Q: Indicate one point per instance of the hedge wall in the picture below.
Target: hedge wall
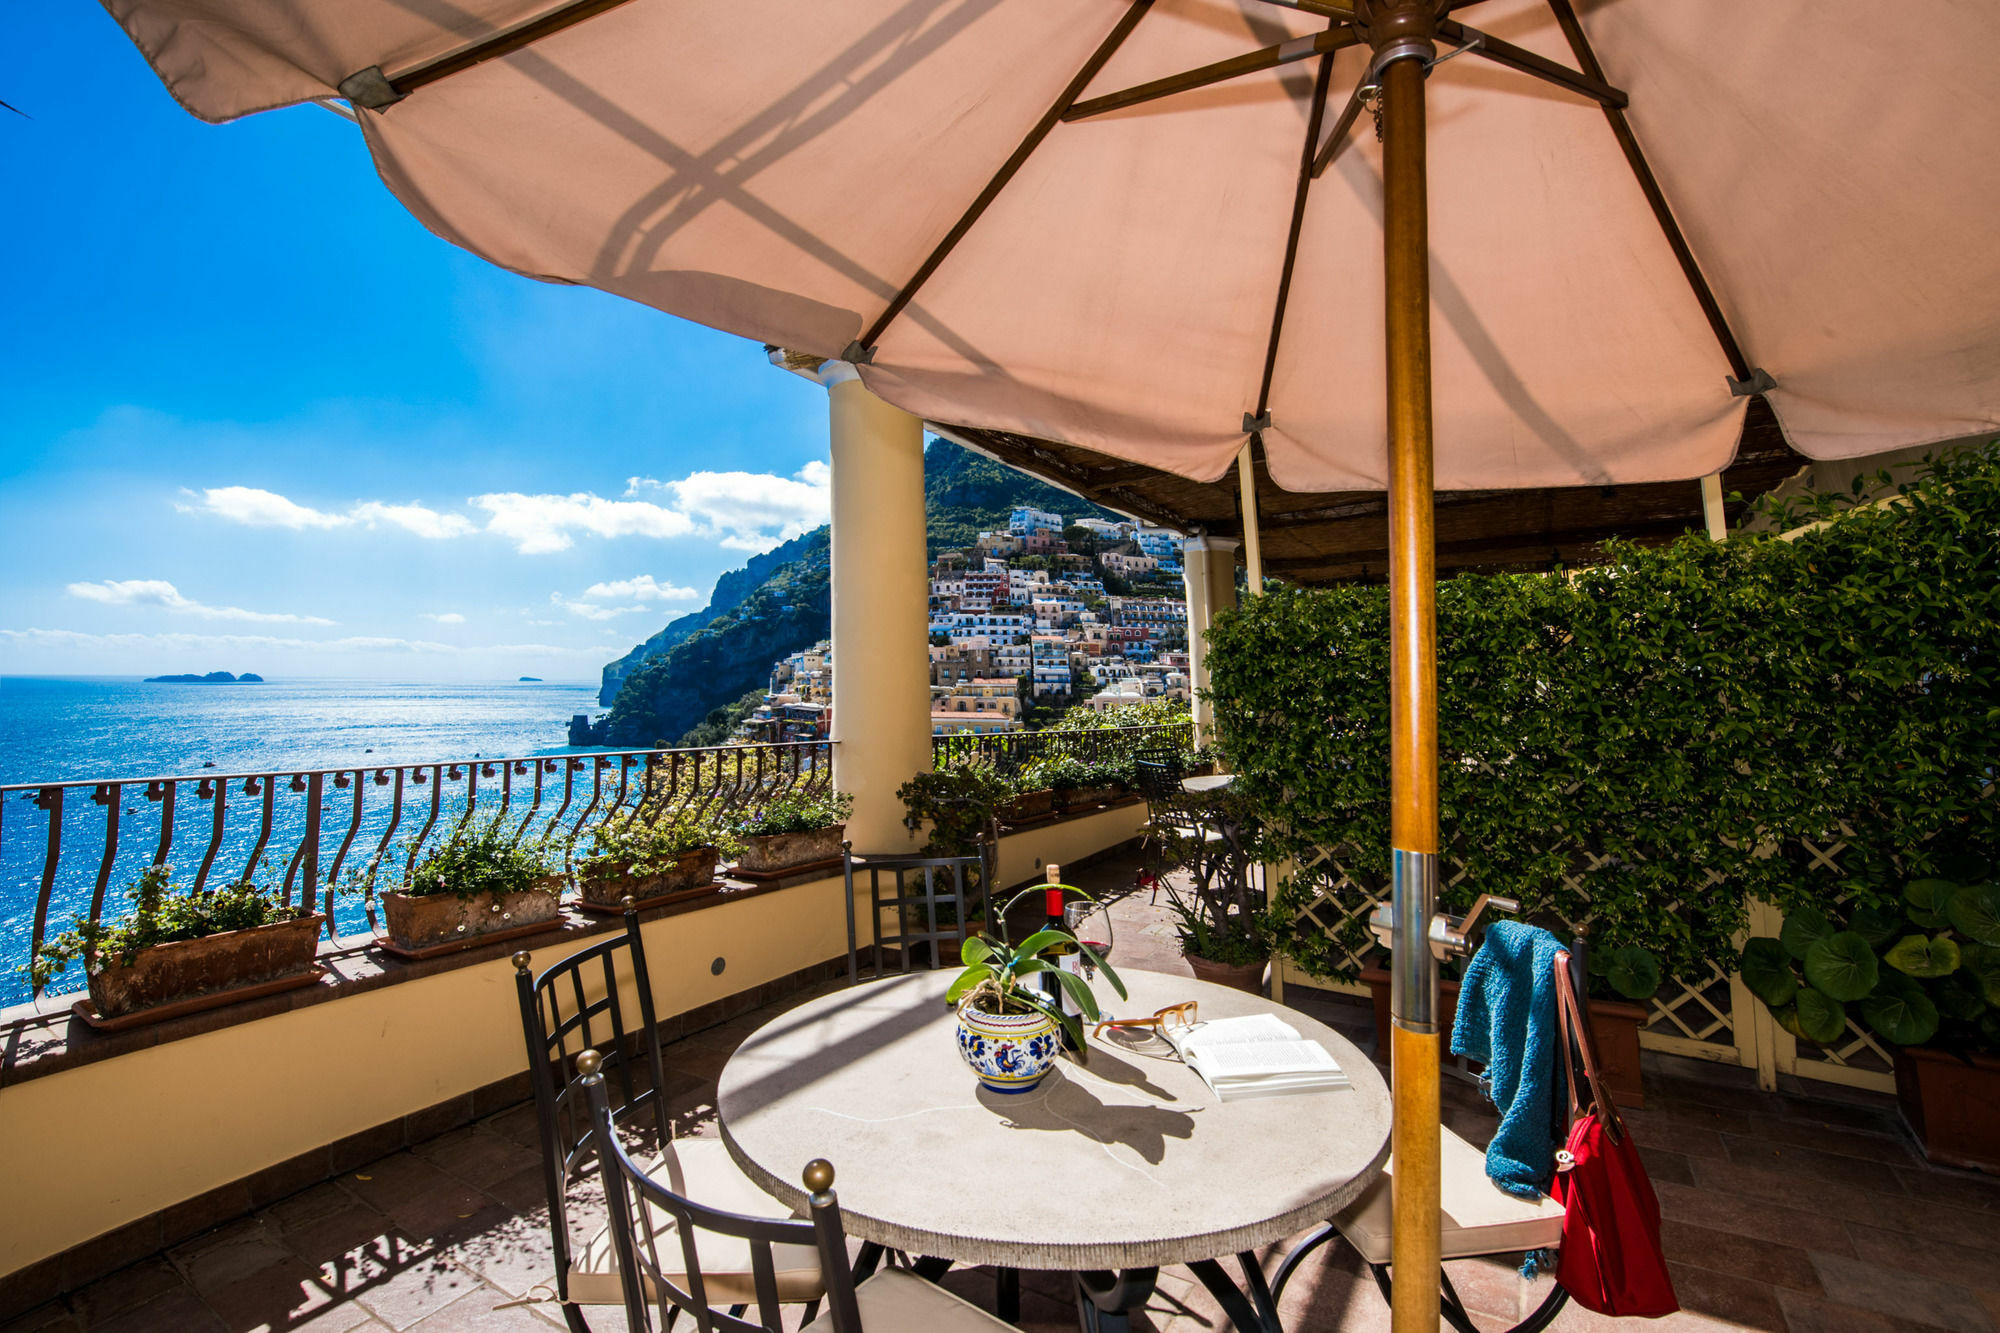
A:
(1678, 714)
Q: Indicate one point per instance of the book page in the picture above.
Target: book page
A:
(1238, 1060)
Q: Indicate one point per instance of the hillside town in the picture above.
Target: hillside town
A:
(1026, 623)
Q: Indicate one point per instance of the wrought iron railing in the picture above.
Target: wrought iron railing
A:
(1010, 752)
(69, 849)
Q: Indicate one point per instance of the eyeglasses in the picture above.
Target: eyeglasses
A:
(1180, 1015)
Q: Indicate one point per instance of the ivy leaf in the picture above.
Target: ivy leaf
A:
(1928, 901)
(1767, 971)
(1875, 925)
(1900, 1013)
(1975, 911)
(1841, 967)
(1634, 973)
(1814, 1017)
(1920, 957)
(1803, 926)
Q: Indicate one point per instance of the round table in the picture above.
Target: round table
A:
(1207, 782)
(1127, 1163)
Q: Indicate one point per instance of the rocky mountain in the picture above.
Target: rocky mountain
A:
(780, 602)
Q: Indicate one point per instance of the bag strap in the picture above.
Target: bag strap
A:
(1577, 1033)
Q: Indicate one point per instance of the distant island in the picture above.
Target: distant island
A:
(212, 678)
(535, 680)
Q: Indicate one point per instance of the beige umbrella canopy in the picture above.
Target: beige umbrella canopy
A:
(804, 174)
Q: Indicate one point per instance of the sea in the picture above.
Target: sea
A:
(121, 729)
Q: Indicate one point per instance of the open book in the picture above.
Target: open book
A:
(1260, 1055)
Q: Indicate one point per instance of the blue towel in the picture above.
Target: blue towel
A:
(1507, 1021)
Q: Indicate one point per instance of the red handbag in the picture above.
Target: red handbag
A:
(1611, 1260)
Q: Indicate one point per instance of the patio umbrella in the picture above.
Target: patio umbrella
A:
(1158, 228)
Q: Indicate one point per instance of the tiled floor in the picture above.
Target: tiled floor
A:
(1782, 1214)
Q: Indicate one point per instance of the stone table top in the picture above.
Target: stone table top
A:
(1129, 1162)
(1207, 782)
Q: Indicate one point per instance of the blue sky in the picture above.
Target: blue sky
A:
(254, 417)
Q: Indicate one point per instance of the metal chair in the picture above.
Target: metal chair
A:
(920, 888)
(575, 1006)
(1180, 827)
(648, 1218)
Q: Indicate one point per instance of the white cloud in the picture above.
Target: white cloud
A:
(590, 611)
(352, 643)
(159, 593)
(540, 524)
(744, 511)
(641, 589)
(445, 617)
(749, 511)
(267, 509)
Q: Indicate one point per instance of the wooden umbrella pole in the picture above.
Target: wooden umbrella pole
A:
(1401, 33)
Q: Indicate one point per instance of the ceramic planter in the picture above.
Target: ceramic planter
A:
(1027, 806)
(692, 870)
(444, 921)
(1248, 977)
(773, 852)
(1011, 1053)
(1948, 1100)
(160, 975)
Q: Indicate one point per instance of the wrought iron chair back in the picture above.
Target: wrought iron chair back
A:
(572, 1007)
(630, 1192)
(921, 887)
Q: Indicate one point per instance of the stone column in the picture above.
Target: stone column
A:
(1208, 567)
(881, 600)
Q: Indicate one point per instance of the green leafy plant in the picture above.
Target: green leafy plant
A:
(160, 917)
(1630, 972)
(1927, 975)
(996, 968)
(480, 856)
(1646, 745)
(640, 846)
(1234, 938)
(956, 803)
(801, 812)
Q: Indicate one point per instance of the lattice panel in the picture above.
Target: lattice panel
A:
(1857, 1052)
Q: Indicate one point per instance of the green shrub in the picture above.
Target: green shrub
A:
(1643, 746)
(644, 844)
(480, 856)
(160, 917)
(803, 812)
(958, 805)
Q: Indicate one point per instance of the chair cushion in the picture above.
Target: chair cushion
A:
(1478, 1216)
(896, 1300)
(714, 1181)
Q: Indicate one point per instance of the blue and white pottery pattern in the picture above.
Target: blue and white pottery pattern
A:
(1009, 1052)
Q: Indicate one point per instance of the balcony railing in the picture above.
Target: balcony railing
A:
(1009, 752)
(69, 848)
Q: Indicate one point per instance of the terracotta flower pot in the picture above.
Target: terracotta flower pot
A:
(692, 870)
(1948, 1100)
(773, 852)
(1026, 806)
(415, 923)
(1087, 798)
(163, 974)
(1237, 976)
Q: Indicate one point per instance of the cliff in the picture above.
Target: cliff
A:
(780, 602)
(211, 678)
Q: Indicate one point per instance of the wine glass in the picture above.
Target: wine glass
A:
(1090, 922)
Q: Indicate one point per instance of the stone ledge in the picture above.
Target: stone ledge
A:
(46, 1038)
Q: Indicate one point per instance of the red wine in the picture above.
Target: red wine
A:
(1052, 909)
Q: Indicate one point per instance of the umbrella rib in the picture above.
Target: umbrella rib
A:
(1306, 156)
(864, 346)
(1250, 62)
(1649, 185)
(500, 44)
(1513, 57)
(1348, 115)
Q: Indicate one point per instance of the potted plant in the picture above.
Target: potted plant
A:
(958, 803)
(1007, 1027)
(1227, 948)
(793, 831)
(181, 953)
(1089, 785)
(479, 884)
(1923, 974)
(649, 859)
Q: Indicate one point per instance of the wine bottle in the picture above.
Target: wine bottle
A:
(1062, 954)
